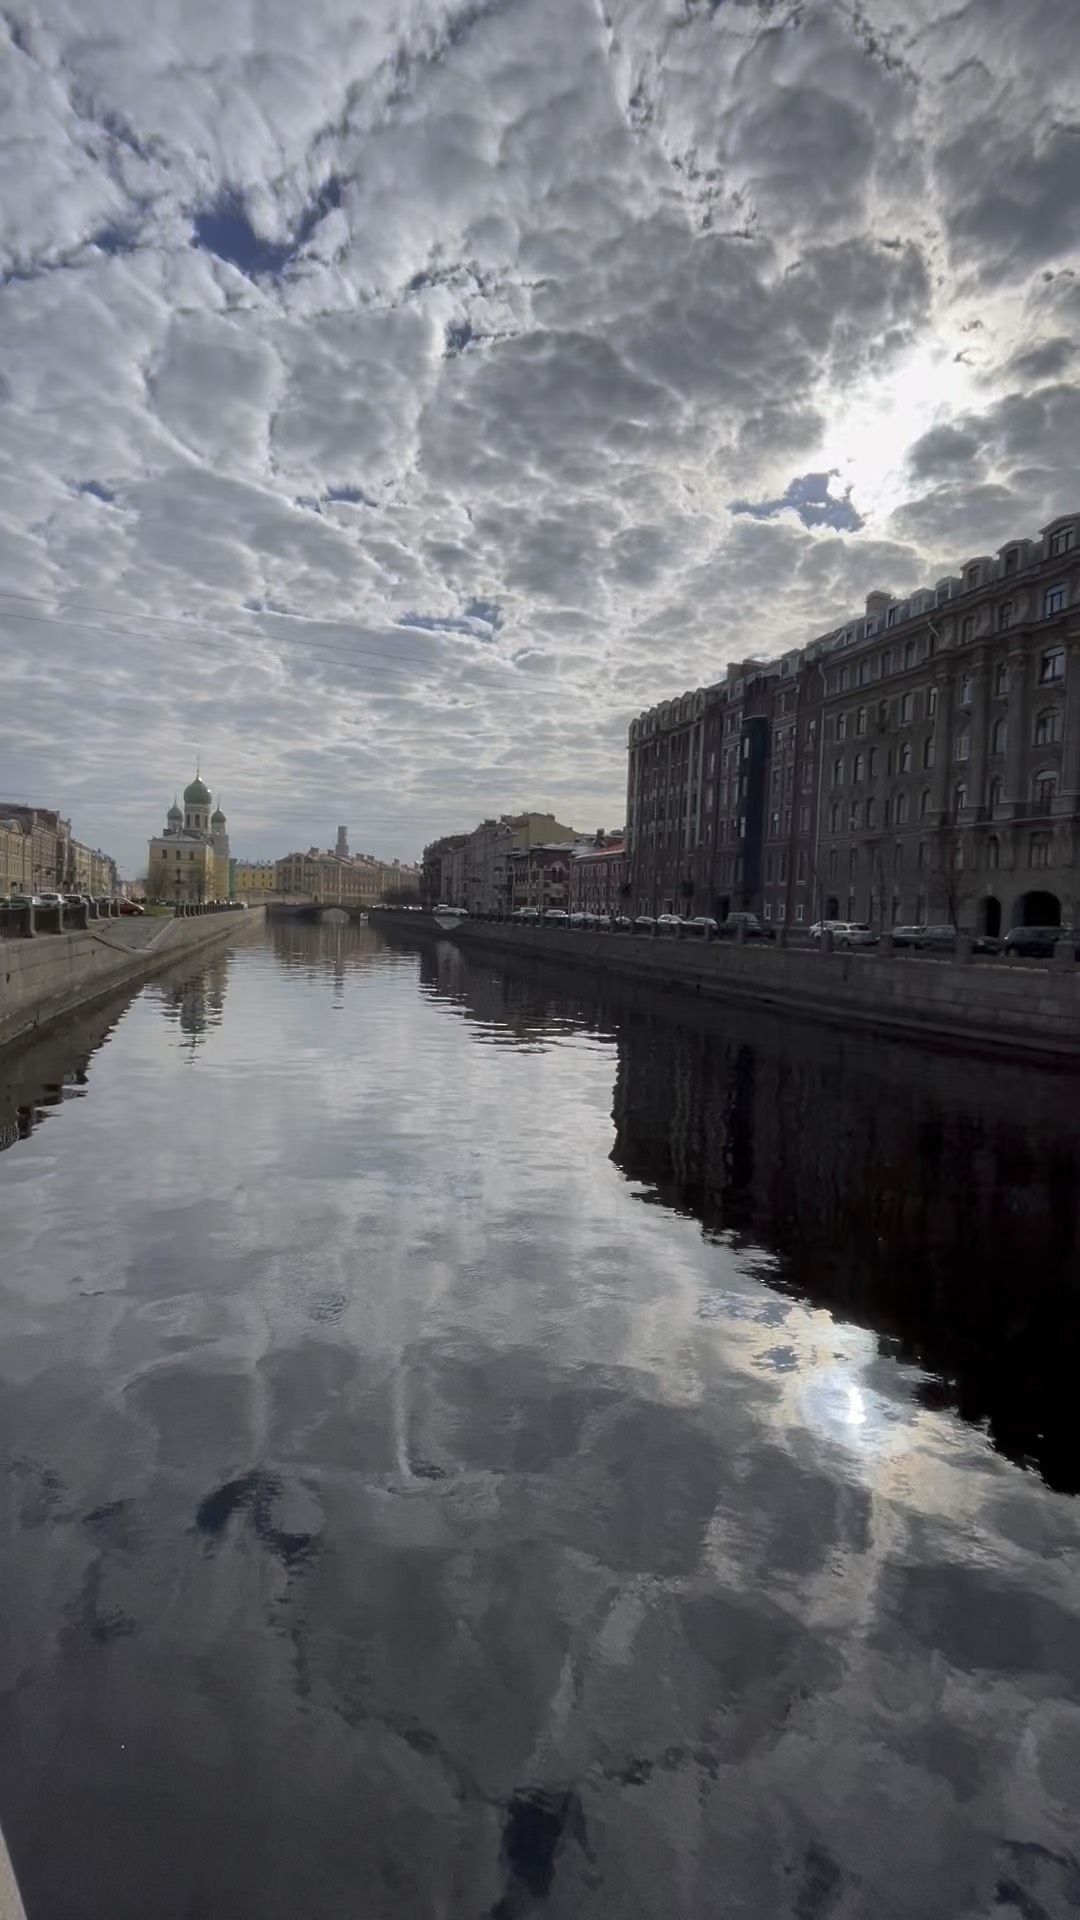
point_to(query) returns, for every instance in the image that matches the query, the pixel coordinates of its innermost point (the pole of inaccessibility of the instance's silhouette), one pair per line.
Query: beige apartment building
(921, 762)
(477, 870)
(16, 859)
(358, 880)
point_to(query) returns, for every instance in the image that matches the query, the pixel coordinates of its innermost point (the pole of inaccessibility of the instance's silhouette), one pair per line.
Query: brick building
(920, 762)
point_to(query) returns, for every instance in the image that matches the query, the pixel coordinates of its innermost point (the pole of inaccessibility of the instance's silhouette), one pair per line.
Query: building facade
(473, 870)
(189, 861)
(358, 881)
(253, 879)
(540, 876)
(50, 845)
(920, 763)
(597, 877)
(16, 859)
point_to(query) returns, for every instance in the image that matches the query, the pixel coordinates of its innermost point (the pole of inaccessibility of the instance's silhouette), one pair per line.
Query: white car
(526, 913)
(581, 919)
(556, 917)
(701, 923)
(669, 920)
(851, 933)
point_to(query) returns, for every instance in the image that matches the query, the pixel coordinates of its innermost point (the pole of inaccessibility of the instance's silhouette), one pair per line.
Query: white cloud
(317, 323)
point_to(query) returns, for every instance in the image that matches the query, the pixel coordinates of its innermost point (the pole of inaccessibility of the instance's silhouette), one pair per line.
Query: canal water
(480, 1444)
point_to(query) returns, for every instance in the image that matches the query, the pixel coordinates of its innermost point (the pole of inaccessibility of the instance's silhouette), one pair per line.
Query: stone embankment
(1009, 1006)
(53, 974)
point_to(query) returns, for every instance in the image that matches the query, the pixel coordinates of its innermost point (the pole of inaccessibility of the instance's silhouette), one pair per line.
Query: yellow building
(357, 880)
(189, 862)
(16, 859)
(254, 877)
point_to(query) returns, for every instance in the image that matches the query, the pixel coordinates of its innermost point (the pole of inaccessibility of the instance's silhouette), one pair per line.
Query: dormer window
(1012, 560)
(974, 578)
(1062, 540)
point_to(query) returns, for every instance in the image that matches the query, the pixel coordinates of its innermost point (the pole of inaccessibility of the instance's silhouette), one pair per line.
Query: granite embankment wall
(1008, 1005)
(51, 975)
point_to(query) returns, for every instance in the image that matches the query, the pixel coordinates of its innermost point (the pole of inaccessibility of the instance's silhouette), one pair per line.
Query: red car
(131, 906)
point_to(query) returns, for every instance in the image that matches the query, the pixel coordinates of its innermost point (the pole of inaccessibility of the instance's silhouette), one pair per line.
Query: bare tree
(953, 881)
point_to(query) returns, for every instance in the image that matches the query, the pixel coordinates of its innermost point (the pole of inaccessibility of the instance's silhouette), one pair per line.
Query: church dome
(197, 795)
(217, 818)
(175, 813)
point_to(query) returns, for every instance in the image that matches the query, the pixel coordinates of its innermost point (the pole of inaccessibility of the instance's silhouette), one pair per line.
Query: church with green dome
(188, 863)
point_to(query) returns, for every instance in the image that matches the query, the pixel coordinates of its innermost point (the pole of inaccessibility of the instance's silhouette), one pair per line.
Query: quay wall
(51, 975)
(1011, 1006)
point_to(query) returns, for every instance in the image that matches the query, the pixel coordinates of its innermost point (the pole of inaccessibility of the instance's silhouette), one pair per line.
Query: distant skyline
(396, 399)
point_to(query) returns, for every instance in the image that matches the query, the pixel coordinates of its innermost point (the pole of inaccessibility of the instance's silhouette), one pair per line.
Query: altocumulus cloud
(397, 397)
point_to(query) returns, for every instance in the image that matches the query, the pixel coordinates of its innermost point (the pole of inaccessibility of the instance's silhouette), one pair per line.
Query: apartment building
(473, 870)
(920, 762)
(597, 877)
(16, 859)
(50, 844)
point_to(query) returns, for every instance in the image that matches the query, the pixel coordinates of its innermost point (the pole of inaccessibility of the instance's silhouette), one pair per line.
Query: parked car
(25, 900)
(623, 923)
(845, 933)
(702, 923)
(526, 913)
(908, 936)
(671, 922)
(1038, 943)
(644, 922)
(750, 925)
(50, 898)
(555, 917)
(581, 919)
(130, 908)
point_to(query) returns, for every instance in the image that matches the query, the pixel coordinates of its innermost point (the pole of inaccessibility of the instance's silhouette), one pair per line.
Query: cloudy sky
(396, 396)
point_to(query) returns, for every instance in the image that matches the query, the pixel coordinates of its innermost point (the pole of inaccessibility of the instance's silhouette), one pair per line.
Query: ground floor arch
(1038, 908)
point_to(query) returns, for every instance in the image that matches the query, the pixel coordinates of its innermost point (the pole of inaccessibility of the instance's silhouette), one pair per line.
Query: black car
(1038, 943)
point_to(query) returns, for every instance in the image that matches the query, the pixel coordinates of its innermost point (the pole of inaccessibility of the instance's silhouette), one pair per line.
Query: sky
(397, 397)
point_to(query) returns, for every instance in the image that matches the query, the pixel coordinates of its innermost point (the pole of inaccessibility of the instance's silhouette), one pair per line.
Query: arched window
(1039, 850)
(997, 795)
(960, 799)
(1044, 788)
(993, 853)
(834, 819)
(962, 746)
(1048, 727)
(928, 751)
(901, 809)
(924, 803)
(1001, 679)
(903, 759)
(999, 737)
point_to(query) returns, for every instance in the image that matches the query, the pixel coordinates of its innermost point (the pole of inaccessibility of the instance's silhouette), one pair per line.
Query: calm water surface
(472, 1446)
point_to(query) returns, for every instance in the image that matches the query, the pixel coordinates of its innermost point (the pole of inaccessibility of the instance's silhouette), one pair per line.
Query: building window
(997, 795)
(858, 768)
(1001, 679)
(1053, 601)
(852, 862)
(903, 758)
(869, 812)
(965, 690)
(928, 751)
(838, 771)
(931, 702)
(768, 910)
(924, 803)
(841, 726)
(962, 745)
(860, 720)
(967, 627)
(853, 817)
(833, 862)
(999, 736)
(1039, 850)
(1006, 614)
(960, 799)
(804, 819)
(886, 662)
(885, 811)
(1048, 727)
(907, 708)
(922, 855)
(1012, 560)
(800, 865)
(974, 578)
(901, 809)
(909, 653)
(1052, 666)
(1062, 541)
(781, 911)
(897, 855)
(993, 853)
(872, 763)
(798, 910)
(1044, 789)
